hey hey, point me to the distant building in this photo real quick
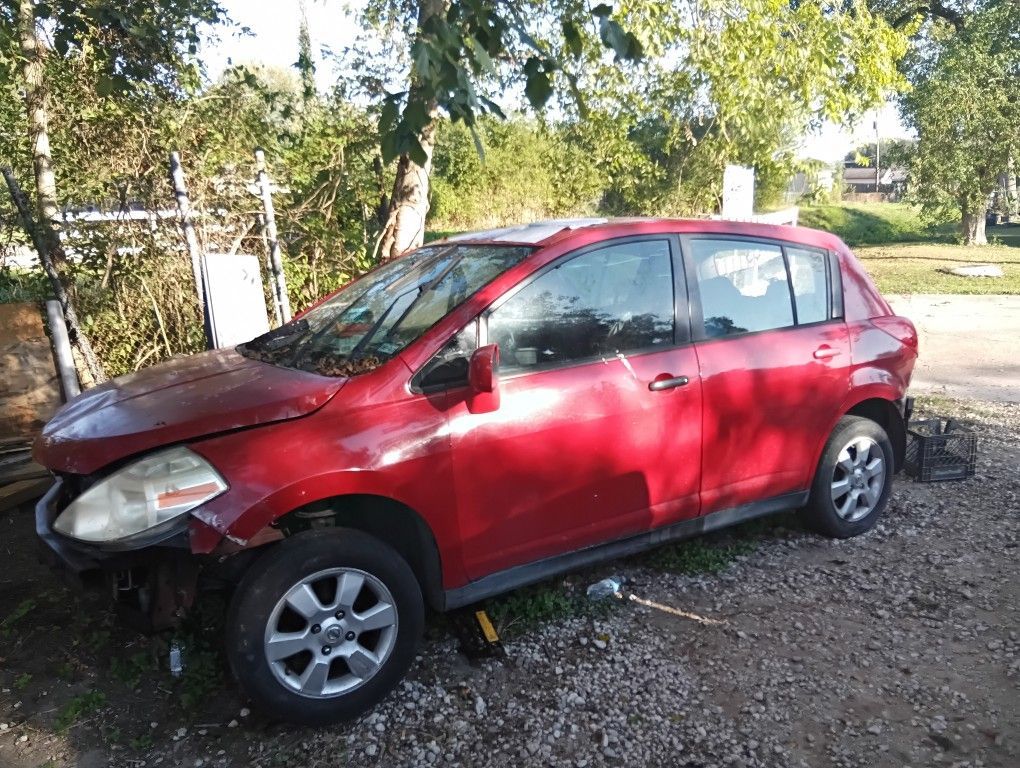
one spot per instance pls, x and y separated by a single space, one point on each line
891 183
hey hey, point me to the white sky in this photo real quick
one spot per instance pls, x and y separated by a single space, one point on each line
274 26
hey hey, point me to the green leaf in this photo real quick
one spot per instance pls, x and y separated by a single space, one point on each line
105 85
416 151
602 10
572 38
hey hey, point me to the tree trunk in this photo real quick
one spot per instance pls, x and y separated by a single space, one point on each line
38 129
1013 205
973 226
409 203
91 363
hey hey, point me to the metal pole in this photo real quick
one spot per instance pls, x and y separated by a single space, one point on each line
92 363
188 227
260 221
275 263
62 350
878 155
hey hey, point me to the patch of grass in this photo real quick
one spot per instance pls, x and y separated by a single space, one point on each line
79 707
141 743
131 670
533 606
200 640
17 284
699 556
919 268
873 223
22 681
21 610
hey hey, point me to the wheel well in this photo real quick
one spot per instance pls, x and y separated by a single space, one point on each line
390 521
888 416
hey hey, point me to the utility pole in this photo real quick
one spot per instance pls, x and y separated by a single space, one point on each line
188 227
878 154
275 263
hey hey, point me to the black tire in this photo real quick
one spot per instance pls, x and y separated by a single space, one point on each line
821 512
271 577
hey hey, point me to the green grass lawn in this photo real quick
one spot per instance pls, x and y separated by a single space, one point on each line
874 223
905 255
920 267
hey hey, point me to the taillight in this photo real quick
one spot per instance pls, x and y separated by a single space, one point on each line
900 328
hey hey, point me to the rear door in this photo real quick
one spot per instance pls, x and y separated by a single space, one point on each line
598 430
774 361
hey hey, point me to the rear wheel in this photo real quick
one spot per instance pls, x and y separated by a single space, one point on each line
853 480
324 625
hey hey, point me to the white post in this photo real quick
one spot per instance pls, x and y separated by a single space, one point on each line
188 227
62 350
275 263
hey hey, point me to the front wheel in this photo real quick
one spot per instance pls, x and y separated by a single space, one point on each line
323 626
853 480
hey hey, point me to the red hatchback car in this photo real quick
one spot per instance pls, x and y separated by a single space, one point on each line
482 413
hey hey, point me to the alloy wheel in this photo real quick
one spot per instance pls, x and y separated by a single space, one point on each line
858 479
331 632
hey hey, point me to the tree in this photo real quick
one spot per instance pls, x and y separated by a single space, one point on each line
456 48
134 40
965 110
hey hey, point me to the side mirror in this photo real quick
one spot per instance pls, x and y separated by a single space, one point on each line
483 380
483 370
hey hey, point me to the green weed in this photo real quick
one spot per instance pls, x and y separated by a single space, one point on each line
79 707
131 670
532 606
22 681
141 743
21 610
698 556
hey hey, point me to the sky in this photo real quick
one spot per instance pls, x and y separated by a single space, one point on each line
274 27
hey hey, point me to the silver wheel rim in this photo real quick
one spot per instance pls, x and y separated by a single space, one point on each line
331 632
858 479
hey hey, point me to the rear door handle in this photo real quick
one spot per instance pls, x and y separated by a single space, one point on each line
671 383
825 352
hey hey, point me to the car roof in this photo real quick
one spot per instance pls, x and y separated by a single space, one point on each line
548 232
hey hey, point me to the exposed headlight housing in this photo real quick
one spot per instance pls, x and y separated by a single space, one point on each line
147 495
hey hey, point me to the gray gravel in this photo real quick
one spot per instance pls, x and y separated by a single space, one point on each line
898 648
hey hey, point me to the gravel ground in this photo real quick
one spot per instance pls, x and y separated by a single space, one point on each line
898 648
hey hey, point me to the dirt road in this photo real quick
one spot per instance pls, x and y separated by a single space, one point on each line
970 345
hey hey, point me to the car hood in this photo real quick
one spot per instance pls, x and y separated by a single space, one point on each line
181 399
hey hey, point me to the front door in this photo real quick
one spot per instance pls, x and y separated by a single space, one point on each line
598 430
774 359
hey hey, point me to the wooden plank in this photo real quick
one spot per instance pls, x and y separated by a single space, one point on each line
16 494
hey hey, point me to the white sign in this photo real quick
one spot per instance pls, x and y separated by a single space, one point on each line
738 192
235 298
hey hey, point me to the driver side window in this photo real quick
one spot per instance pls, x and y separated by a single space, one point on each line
617 299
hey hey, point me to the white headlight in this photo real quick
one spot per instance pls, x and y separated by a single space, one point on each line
145 494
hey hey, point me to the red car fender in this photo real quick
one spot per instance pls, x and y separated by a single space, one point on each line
248 527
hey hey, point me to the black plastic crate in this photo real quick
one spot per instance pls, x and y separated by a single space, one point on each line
939 452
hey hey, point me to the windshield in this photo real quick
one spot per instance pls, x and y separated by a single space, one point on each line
378 315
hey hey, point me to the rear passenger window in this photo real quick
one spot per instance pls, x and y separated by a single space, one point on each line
743 286
810 287
615 299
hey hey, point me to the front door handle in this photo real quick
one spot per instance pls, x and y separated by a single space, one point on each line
825 352
667 383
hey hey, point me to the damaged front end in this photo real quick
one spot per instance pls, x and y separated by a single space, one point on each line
153 577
